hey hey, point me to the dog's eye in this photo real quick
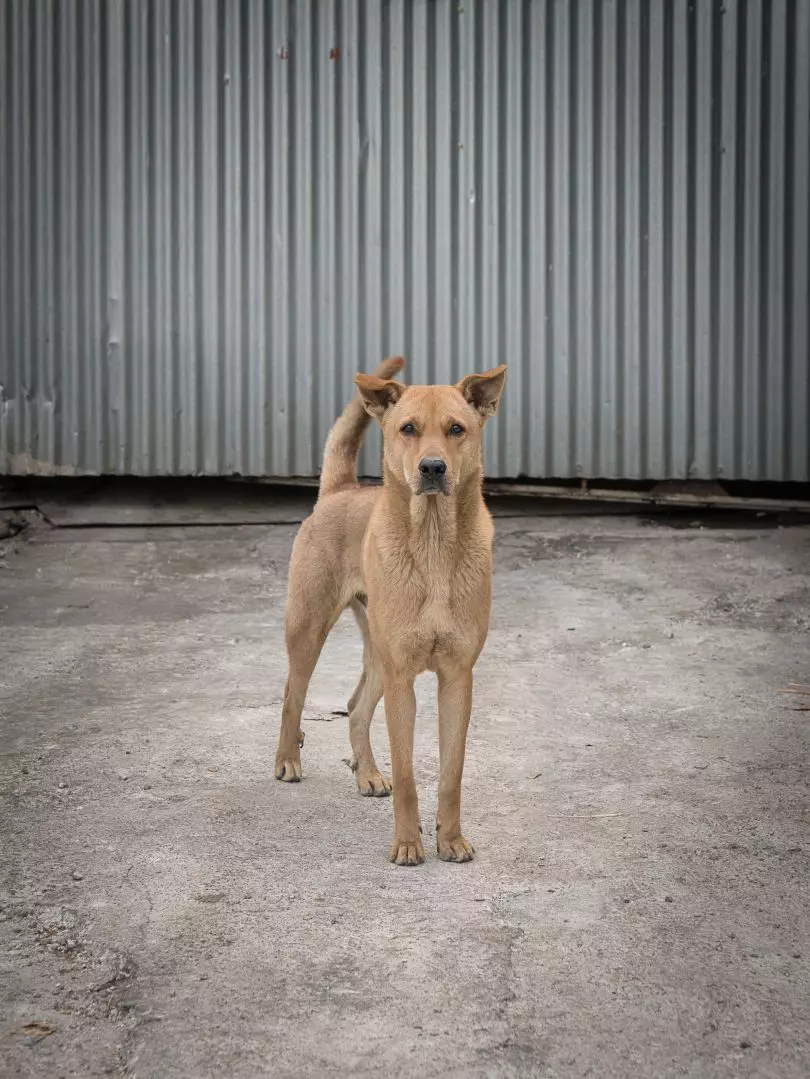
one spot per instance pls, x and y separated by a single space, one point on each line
456 429
408 429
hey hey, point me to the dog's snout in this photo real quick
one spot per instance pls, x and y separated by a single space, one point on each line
432 467
433 477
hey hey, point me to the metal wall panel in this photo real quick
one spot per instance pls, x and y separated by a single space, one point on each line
213 212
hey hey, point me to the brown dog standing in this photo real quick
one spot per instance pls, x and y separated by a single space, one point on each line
413 560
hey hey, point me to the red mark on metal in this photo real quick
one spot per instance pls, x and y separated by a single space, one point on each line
283 53
334 53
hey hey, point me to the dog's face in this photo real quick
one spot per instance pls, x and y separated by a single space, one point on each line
432 434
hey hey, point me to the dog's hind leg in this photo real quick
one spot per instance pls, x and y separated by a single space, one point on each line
370 781
358 609
303 649
355 697
311 613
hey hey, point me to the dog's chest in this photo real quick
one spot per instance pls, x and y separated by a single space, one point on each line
441 612
427 599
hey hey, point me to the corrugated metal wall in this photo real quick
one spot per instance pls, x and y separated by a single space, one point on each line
214 212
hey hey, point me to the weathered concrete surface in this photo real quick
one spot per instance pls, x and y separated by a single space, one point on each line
636 789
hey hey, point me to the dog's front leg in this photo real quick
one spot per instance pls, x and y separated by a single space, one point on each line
455 705
400 717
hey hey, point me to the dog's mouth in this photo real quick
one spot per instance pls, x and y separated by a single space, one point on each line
433 485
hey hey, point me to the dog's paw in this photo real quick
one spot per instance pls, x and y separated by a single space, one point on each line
457 849
372 784
407 853
288 769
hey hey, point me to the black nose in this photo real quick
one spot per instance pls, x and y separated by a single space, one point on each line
432 466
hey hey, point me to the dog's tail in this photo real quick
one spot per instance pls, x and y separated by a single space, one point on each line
343 444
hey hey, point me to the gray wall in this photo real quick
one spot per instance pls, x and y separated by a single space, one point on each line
213 213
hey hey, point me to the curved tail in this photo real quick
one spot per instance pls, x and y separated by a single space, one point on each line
343 444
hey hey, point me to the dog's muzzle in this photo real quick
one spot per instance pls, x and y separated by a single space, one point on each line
432 476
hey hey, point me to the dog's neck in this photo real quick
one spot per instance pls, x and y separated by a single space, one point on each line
434 525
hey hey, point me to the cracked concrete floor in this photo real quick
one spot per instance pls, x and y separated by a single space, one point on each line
636 788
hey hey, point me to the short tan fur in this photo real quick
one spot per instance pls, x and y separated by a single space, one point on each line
413 560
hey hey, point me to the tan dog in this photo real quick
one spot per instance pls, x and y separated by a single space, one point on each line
413 560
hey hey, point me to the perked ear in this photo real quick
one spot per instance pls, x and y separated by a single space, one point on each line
483 391
378 394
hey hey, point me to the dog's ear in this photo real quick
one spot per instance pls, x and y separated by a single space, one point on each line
483 391
378 394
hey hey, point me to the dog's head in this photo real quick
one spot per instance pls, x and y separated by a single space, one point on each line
432 434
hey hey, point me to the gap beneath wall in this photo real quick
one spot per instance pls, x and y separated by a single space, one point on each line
171 502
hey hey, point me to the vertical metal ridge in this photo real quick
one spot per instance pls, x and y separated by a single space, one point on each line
619 179
504 279
549 234
328 212
416 257
66 203
704 158
185 259
8 389
764 136
797 347
710 458
289 229
572 466
134 224
403 256
176 361
384 38
680 73
312 43
255 229
630 444
692 270
477 136
364 73
510 438
489 200
788 312
231 75
372 285
750 300
449 151
220 269
94 193
466 194
582 229
668 402
435 370
595 442
29 269
608 195
152 404
394 183
559 209
244 120
18 391
726 239
277 213
10 436
739 138
776 118
520 381
644 428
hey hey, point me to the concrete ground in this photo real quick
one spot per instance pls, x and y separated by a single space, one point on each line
636 789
